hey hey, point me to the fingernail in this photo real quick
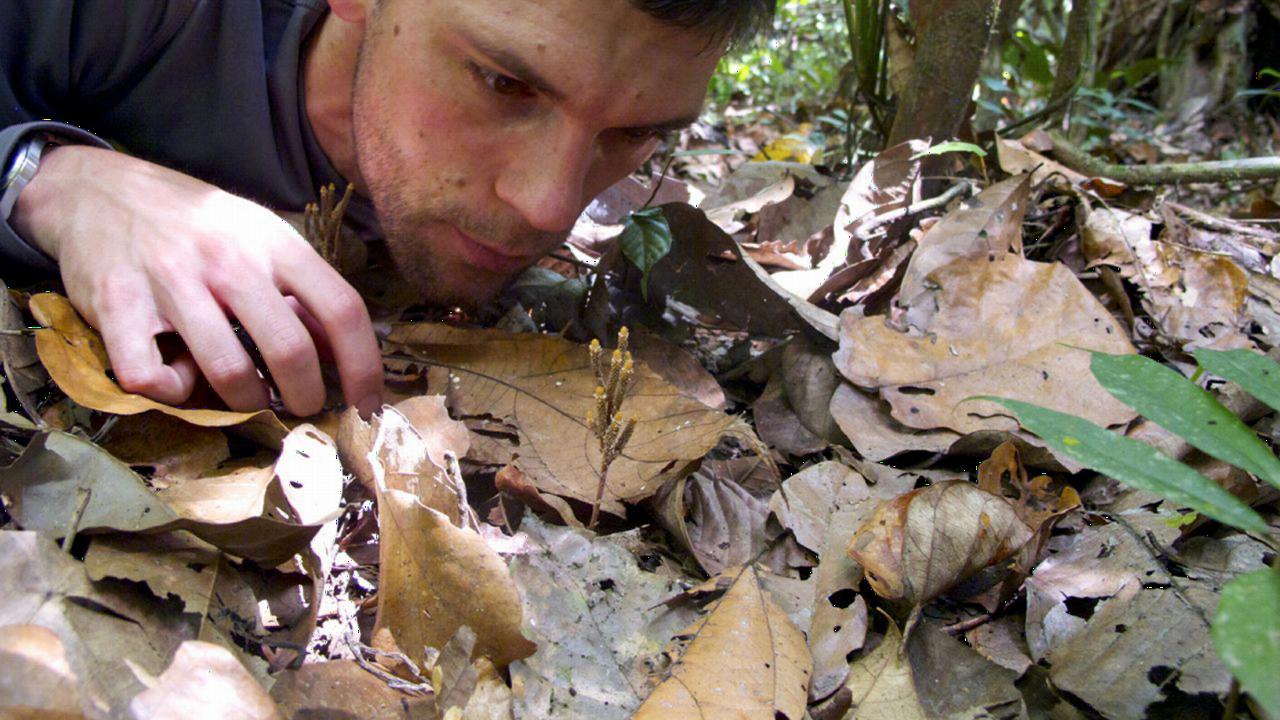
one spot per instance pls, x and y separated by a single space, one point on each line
368 406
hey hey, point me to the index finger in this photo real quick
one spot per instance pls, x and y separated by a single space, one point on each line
342 315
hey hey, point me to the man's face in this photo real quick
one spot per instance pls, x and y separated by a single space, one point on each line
484 127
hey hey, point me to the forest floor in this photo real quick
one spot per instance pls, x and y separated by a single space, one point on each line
806 502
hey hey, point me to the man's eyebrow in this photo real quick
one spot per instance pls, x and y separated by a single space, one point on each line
516 66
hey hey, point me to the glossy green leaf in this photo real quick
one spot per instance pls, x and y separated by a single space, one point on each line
1133 463
1258 374
950 147
1178 405
646 239
1246 631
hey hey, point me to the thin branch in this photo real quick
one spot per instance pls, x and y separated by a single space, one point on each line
1213 171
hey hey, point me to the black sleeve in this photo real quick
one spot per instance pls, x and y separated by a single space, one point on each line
61 61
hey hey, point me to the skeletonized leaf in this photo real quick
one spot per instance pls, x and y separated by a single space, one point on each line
1178 405
1134 463
1246 631
923 542
745 659
598 618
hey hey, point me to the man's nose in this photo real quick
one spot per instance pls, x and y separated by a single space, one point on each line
546 181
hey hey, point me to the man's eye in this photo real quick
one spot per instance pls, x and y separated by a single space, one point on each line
502 84
640 136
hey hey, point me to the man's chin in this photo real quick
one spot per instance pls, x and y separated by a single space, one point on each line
451 285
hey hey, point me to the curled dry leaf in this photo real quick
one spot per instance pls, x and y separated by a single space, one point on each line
204 681
435 576
76 358
599 621
58 470
35 679
543 386
715 519
1197 298
866 420
923 542
744 659
972 345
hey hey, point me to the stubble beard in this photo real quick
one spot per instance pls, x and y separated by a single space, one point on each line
411 228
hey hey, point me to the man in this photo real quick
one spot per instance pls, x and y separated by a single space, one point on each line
475 132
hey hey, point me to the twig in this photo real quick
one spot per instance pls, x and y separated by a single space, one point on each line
82 503
1213 171
359 650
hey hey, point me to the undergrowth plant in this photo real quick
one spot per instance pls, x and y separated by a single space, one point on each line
1246 627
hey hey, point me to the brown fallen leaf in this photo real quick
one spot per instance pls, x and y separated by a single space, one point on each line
436 577
204 681
744 659
343 689
166 448
98 625
778 424
1038 501
923 542
1196 298
954 681
1023 156
881 683
715 519
543 387
512 482
973 345
1117 630
867 421
988 226
76 358
59 470
395 452
35 679
889 183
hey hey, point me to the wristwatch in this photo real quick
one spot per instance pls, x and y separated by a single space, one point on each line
21 171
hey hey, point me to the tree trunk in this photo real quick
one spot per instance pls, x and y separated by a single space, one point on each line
951 40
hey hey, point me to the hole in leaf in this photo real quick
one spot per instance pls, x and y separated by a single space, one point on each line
843 598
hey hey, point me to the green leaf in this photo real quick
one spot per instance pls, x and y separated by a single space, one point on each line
1258 374
1178 405
646 239
1246 631
949 147
1133 463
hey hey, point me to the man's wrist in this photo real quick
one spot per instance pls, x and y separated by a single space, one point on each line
31 217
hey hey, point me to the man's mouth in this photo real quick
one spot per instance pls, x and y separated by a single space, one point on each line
486 258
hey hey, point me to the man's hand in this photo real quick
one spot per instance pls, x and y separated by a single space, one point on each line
145 250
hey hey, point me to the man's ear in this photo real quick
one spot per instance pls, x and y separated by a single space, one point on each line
352 11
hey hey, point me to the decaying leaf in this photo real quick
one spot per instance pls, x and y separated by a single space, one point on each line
204 680
166 448
866 420
925 541
1116 629
744 659
972 345
76 358
954 681
544 386
598 619
1197 298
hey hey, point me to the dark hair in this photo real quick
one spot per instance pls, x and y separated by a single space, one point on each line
730 20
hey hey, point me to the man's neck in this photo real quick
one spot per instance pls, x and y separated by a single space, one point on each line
329 69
